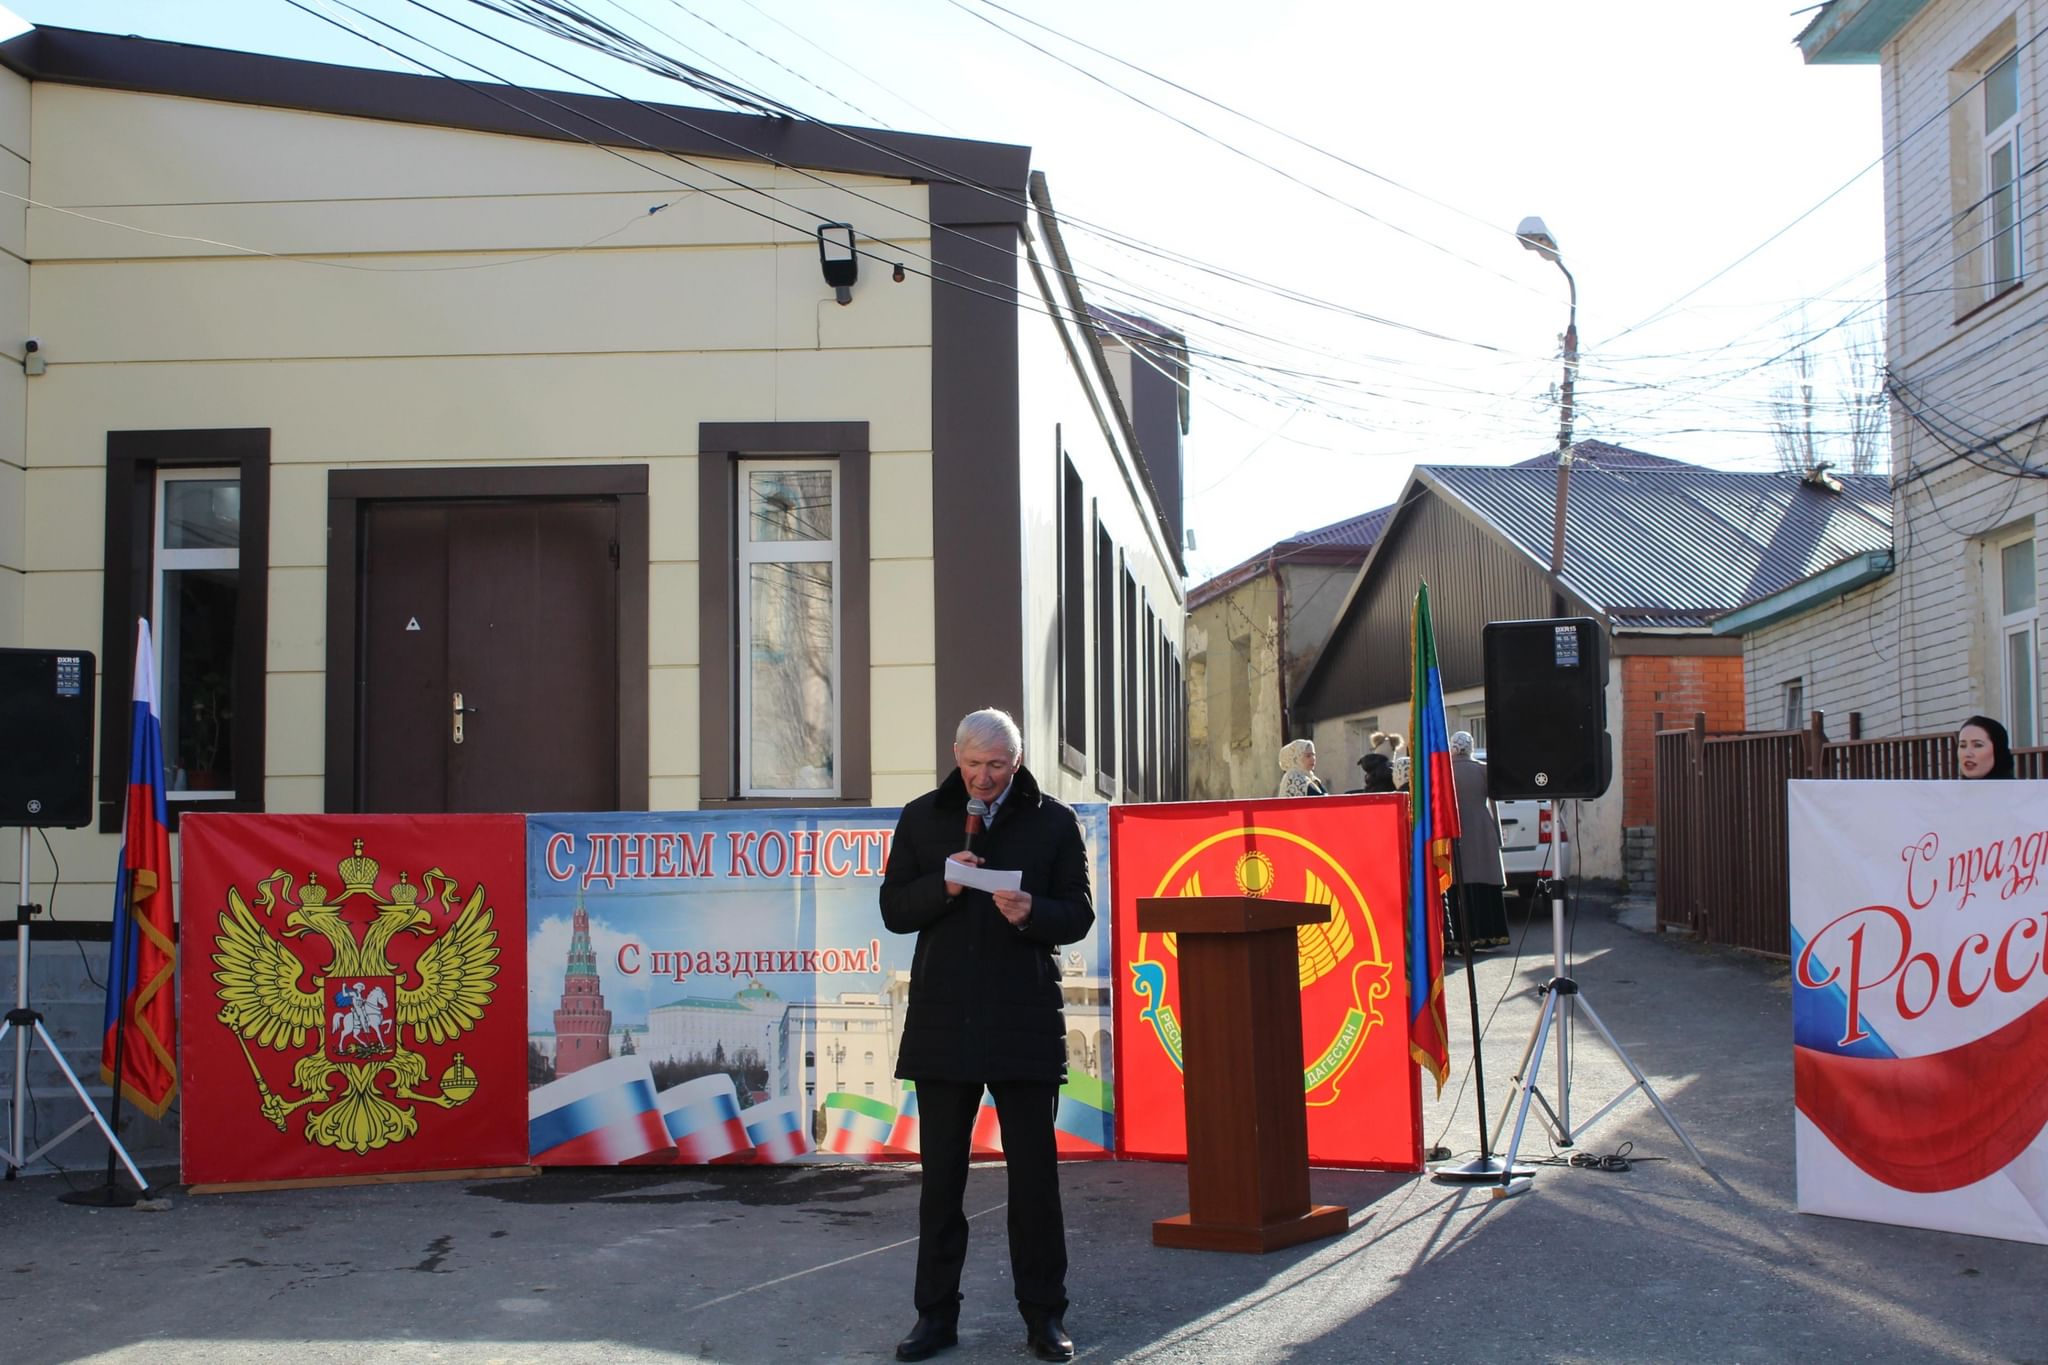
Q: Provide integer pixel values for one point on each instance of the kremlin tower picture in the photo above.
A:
(583, 1026)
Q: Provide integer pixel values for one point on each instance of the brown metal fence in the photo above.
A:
(1722, 862)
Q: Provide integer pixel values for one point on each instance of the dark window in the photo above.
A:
(1073, 612)
(1151, 642)
(1105, 663)
(1130, 771)
(188, 546)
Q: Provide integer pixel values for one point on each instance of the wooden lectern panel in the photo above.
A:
(1247, 1118)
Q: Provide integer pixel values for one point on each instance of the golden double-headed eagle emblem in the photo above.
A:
(361, 1006)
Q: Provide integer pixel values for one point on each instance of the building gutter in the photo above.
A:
(1854, 32)
(1805, 596)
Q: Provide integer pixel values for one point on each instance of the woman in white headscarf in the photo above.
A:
(1298, 770)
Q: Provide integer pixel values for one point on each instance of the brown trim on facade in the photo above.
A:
(133, 459)
(720, 448)
(348, 488)
(1619, 644)
(149, 66)
(977, 487)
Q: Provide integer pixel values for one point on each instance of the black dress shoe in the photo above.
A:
(932, 1335)
(1047, 1339)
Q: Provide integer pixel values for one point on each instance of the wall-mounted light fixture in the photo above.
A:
(32, 361)
(840, 261)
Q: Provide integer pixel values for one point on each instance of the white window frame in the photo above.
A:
(1792, 692)
(2003, 224)
(746, 554)
(165, 560)
(2020, 624)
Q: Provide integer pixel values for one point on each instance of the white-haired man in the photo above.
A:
(986, 1011)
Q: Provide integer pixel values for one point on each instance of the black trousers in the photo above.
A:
(1038, 1232)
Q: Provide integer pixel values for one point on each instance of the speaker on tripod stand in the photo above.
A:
(1546, 739)
(46, 716)
(1546, 710)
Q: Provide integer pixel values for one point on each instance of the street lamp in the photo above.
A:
(1536, 237)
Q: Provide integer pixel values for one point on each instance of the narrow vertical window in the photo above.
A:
(787, 542)
(1795, 703)
(2002, 174)
(195, 590)
(1130, 773)
(1073, 610)
(1105, 663)
(2017, 632)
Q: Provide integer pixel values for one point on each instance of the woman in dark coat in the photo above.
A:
(1479, 863)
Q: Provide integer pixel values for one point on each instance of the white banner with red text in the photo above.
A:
(1920, 1003)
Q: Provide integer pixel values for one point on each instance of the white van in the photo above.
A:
(1533, 844)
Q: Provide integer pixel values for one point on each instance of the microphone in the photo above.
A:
(977, 817)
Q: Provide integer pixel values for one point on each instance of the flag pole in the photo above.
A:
(111, 1194)
(1486, 1168)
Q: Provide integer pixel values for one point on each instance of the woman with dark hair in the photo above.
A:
(1982, 749)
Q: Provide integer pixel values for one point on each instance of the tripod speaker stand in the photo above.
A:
(24, 1021)
(1562, 997)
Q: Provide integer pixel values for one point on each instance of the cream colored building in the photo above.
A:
(1947, 624)
(399, 411)
(474, 450)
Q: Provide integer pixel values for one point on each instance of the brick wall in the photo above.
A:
(1677, 685)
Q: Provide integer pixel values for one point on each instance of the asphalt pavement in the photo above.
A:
(1650, 1259)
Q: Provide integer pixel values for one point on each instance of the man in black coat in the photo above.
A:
(986, 1010)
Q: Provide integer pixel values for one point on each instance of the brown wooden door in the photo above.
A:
(514, 605)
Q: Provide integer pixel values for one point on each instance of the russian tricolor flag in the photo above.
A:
(603, 1115)
(905, 1138)
(141, 1027)
(777, 1131)
(703, 1116)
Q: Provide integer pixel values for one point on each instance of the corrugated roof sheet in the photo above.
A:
(1669, 545)
(1340, 542)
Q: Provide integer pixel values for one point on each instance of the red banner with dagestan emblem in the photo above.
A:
(1348, 853)
(353, 989)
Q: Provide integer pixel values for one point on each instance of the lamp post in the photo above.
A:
(1536, 237)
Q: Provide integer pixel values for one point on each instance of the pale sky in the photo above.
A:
(1349, 280)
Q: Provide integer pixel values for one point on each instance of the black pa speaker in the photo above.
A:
(1546, 709)
(46, 737)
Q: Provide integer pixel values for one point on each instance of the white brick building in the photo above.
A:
(1948, 624)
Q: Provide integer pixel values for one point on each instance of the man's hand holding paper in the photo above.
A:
(960, 872)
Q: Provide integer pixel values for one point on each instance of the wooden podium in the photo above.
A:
(1240, 998)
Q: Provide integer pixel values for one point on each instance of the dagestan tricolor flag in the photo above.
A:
(1433, 823)
(140, 975)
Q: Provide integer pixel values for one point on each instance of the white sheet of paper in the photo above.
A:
(983, 878)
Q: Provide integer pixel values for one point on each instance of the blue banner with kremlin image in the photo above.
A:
(718, 987)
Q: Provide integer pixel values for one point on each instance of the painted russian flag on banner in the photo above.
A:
(1433, 823)
(776, 1129)
(857, 1125)
(142, 967)
(602, 1115)
(1083, 1125)
(904, 1135)
(703, 1116)
(988, 1129)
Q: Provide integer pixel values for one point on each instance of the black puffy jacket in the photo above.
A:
(985, 1002)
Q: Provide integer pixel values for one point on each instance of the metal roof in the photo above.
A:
(1671, 546)
(1341, 542)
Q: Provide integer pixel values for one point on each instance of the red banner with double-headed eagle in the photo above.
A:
(1348, 853)
(353, 990)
